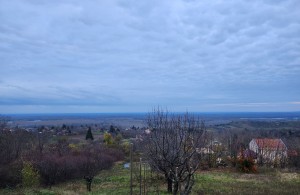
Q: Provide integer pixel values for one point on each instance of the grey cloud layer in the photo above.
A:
(181, 53)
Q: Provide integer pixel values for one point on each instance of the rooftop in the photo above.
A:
(270, 143)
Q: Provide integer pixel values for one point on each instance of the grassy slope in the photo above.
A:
(216, 182)
(116, 181)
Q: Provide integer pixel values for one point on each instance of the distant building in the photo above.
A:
(247, 153)
(213, 147)
(147, 131)
(269, 151)
(205, 150)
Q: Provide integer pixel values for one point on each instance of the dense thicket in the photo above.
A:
(55, 166)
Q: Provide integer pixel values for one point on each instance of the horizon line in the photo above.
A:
(145, 112)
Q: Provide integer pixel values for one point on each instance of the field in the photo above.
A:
(217, 181)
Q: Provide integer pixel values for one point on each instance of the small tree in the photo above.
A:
(3, 122)
(118, 139)
(89, 134)
(246, 163)
(30, 176)
(171, 148)
(108, 138)
(94, 159)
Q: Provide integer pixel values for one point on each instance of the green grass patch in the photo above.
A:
(222, 181)
(238, 183)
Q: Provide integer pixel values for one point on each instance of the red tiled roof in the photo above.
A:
(292, 153)
(270, 143)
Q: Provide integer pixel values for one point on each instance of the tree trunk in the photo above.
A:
(175, 189)
(169, 185)
(188, 185)
(88, 186)
(88, 180)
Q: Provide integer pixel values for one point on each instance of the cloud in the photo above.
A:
(118, 52)
(294, 102)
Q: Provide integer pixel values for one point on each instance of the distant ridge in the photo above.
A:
(140, 115)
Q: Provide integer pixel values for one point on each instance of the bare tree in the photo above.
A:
(94, 159)
(171, 148)
(3, 122)
(57, 165)
(14, 142)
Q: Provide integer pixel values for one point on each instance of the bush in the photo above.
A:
(30, 176)
(126, 148)
(246, 165)
(59, 167)
(10, 174)
(108, 139)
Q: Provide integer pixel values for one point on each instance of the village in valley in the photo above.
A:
(257, 148)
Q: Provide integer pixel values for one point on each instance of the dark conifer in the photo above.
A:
(89, 134)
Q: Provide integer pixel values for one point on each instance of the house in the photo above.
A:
(247, 153)
(269, 151)
(211, 148)
(205, 150)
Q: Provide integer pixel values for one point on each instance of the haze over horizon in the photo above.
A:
(130, 56)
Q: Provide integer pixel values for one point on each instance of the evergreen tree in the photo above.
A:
(89, 134)
(111, 129)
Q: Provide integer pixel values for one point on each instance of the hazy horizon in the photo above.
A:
(133, 113)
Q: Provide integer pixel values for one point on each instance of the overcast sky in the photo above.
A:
(130, 56)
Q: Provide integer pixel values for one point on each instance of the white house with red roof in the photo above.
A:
(269, 151)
